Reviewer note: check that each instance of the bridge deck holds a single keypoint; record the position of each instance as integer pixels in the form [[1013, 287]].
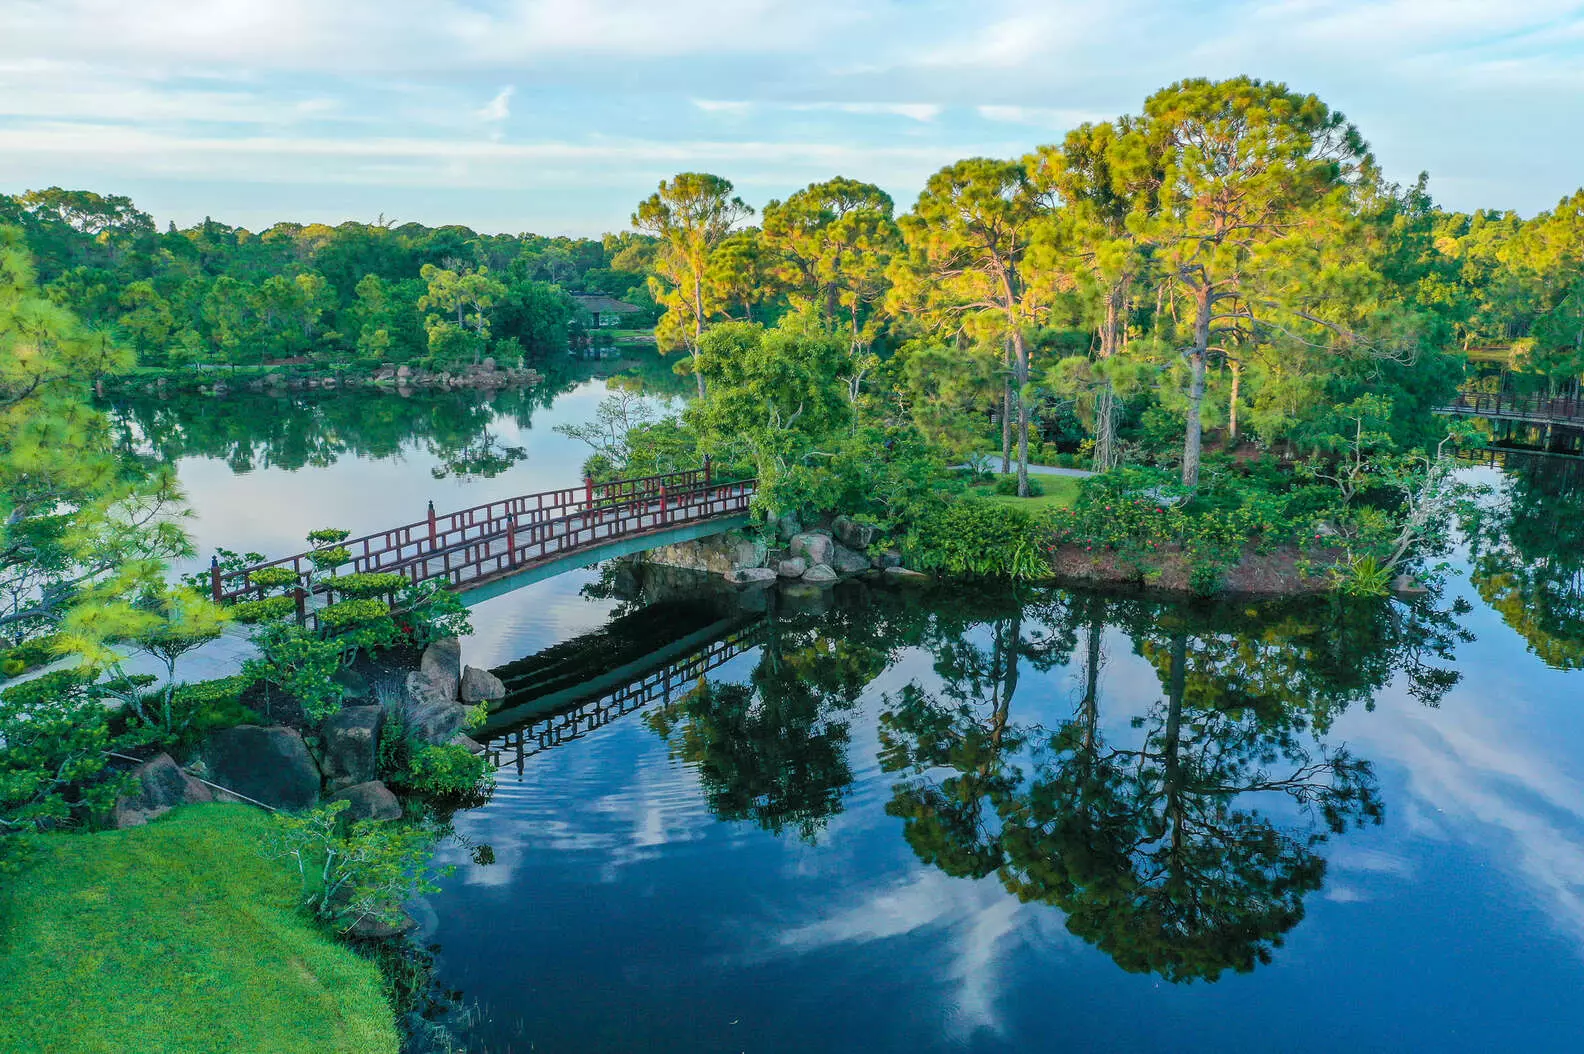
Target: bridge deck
[[473, 548], [1508, 406]]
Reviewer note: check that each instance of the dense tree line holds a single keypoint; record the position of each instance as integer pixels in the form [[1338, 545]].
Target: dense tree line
[[216, 294], [1229, 260]]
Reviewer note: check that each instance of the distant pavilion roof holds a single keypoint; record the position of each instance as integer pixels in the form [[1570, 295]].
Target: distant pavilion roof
[[597, 304]]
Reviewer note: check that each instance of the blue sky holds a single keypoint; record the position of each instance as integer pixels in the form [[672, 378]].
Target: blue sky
[[556, 116]]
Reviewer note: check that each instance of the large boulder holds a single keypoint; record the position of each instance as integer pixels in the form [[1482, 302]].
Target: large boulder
[[749, 552], [369, 801], [481, 686], [442, 664], [815, 548], [269, 765], [792, 567], [351, 745], [853, 534], [847, 562], [751, 576], [788, 526], [820, 574], [430, 713], [158, 785]]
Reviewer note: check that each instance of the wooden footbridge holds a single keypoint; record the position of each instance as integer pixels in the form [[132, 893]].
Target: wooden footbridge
[[525, 538], [1531, 408]]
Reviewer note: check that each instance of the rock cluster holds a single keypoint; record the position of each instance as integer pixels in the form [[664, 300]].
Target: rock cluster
[[277, 767], [818, 556]]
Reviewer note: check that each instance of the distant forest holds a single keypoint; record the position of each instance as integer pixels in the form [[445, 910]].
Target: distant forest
[[373, 292]]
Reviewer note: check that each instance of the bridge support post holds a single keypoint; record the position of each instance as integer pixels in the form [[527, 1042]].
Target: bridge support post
[[588, 491], [706, 471], [214, 578], [432, 533], [662, 501], [511, 542]]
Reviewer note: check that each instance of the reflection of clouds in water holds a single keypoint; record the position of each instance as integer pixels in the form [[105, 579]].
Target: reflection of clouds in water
[[559, 809], [1464, 766], [983, 927]]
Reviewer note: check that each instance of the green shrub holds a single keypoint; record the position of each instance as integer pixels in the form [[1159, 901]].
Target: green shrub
[[370, 583], [208, 706], [273, 577], [251, 611], [1009, 485], [345, 614], [984, 538], [448, 771]]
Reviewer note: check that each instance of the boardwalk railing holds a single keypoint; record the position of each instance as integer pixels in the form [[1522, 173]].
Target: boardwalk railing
[[1534, 408], [473, 546]]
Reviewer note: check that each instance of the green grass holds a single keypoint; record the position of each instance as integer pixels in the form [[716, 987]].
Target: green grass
[[1060, 493], [176, 937]]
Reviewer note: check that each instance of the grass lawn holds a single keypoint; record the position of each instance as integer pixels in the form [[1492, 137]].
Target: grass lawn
[[173, 938], [1060, 492]]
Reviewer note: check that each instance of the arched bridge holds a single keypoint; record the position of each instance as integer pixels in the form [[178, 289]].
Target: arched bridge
[[522, 539]]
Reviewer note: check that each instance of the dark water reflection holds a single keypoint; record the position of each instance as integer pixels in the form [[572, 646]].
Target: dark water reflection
[[984, 819], [998, 819]]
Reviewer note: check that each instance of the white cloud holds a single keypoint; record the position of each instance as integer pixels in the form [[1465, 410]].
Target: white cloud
[[498, 108]]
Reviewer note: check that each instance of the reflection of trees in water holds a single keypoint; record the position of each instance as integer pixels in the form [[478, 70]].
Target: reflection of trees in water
[[250, 431], [774, 750], [1527, 551], [1187, 849]]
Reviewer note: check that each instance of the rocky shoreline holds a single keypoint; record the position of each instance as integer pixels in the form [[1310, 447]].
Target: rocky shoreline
[[390, 377]]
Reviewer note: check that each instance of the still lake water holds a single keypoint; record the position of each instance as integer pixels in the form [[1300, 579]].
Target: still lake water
[[982, 819]]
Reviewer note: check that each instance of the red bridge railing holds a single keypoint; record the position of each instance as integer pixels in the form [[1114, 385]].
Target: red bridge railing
[[473, 546]]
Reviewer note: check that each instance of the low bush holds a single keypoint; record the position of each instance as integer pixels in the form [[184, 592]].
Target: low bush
[[448, 771]]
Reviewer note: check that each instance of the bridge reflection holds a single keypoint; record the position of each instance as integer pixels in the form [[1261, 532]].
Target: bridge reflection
[[651, 655]]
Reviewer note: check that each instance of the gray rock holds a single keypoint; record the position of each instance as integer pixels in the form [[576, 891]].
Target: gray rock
[[481, 686], [159, 785], [816, 548], [430, 713], [889, 558], [788, 526], [820, 573], [369, 801], [904, 573], [351, 745], [268, 765], [353, 684], [473, 746], [847, 562], [748, 553], [404, 370], [442, 664], [853, 534], [792, 567], [748, 576], [371, 929]]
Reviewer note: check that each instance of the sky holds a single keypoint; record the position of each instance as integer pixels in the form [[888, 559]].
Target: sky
[[557, 116]]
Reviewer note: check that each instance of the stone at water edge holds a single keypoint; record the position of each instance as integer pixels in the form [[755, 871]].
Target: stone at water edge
[[847, 562], [904, 573], [853, 534], [788, 526], [819, 574], [888, 559], [749, 576], [159, 785], [481, 686], [368, 801], [792, 567], [816, 548], [269, 765], [473, 746], [431, 714], [442, 664], [351, 745], [750, 552]]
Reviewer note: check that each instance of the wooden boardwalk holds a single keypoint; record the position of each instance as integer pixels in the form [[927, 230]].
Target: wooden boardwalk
[[1532, 408], [473, 547]]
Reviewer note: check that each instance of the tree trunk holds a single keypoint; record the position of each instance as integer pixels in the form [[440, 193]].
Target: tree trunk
[[1232, 401], [1105, 401], [698, 374], [1006, 414], [1021, 347], [1194, 439]]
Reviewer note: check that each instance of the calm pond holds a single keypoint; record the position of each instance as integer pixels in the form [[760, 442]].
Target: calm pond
[[977, 819]]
